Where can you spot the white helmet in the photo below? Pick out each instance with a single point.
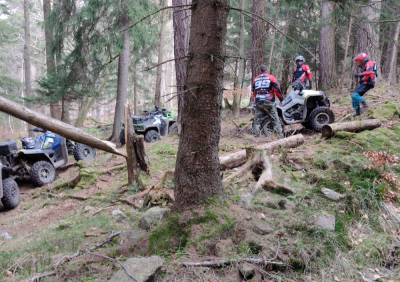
(300, 58)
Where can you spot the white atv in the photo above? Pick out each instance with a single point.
(308, 107)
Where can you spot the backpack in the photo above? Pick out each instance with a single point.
(375, 70)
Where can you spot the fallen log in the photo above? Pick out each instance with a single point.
(329, 130)
(66, 130)
(239, 158)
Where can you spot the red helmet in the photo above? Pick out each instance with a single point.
(360, 58)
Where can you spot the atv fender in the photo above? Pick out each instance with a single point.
(48, 155)
(1, 181)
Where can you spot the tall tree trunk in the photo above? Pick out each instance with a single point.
(327, 56)
(181, 23)
(122, 85)
(258, 38)
(197, 173)
(160, 55)
(346, 49)
(392, 62)
(287, 58)
(55, 110)
(271, 51)
(239, 81)
(135, 93)
(368, 32)
(27, 59)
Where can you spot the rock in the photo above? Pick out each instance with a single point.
(116, 212)
(152, 217)
(246, 200)
(143, 269)
(271, 205)
(326, 221)
(6, 236)
(285, 204)
(88, 208)
(247, 271)
(248, 218)
(131, 236)
(262, 229)
(330, 194)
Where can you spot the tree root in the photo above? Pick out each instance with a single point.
(257, 158)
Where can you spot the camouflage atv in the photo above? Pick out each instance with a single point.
(153, 125)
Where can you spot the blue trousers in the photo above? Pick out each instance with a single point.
(356, 97)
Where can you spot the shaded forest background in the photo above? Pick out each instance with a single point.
(67, 58)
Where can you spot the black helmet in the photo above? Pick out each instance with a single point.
(28, 143)
(300, 58)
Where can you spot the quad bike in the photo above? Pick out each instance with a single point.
(40, 157)
(308, 107)
(152, 125)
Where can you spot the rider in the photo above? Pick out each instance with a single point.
(265, 87)
(367, 82)
(302, 72)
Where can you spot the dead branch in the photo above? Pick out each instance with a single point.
(167, 61)
(255, 16)
(113, 168)
(129, 202)
(117, 261)
(217, 263)
(167, 176)
(330, 130)
(81, 252)
(37, 277)
(155, 12)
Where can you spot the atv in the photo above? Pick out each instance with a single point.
(40, 157)
(152, 125)
(308, 107)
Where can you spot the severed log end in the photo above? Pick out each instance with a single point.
(326, 130)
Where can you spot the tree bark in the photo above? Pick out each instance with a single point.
(141, 156)
(130, 135)
(27, 60)
(66, 130)
(239, 82)
(391, 76)
(197, 173)
(287, 59)
(346, 48)
(135, 92)
(258, 37)
(55, 110)
(271, 51)
(160, 55)
(123, 75)
(238, 158)
(367, 33)
(330, 130)
(181, 23)
(327, 52)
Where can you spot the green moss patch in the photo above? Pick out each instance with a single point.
(385, 112)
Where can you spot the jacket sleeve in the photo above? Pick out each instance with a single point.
(277, 90)
(308, 73)
(368, 71)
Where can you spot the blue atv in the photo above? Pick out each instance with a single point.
(37, 161)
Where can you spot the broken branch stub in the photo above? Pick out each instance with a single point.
(66, 130)
(131, 160)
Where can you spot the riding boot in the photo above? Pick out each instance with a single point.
(358, 113)
(365, 106)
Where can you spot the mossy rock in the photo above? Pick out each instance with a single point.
(385, 112)
(345, 135)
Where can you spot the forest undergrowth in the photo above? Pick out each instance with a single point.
(363, 245)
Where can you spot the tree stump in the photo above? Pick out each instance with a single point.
(259, 167)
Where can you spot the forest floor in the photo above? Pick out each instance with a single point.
(56, 220)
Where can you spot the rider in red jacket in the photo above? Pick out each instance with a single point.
(367, 82)
(302, 72)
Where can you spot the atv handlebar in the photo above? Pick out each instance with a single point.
(36, 129)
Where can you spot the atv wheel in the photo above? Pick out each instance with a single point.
(267, 129)
(11, 195)
(152, 136)
(84, 152)
(122, 137)
(321, 116)
(42, 173)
